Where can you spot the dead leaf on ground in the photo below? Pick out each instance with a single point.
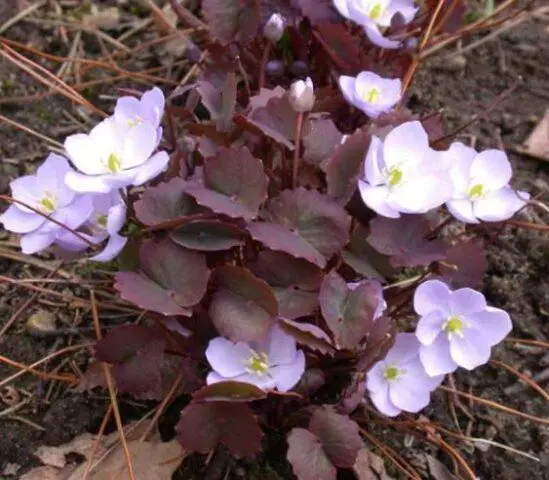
(152, 460)
(103, 19)
(369, 466)
(438, 470)
(537, 144)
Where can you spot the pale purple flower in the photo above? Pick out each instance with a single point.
(148, 109)
(274, 28)
(275, 362)
(399, 382)
(481, 188)
(107, 219)
(371, 93)
(381, 303)
(302, 95)
(403, 174)
(375, 15)
(114, 155)
(46, 192)
(456, 328)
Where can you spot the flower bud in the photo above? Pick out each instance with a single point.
(274, 28)
(302, 95)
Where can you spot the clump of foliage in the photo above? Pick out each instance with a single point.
(260, 217)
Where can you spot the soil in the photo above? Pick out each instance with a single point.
(517, 279)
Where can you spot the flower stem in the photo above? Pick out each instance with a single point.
(295, 163)
(264, 59)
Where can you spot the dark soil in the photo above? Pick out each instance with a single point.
(517, 279)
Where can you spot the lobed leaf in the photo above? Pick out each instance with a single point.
(349, 313)
(340, 45)
(233, 183)
(308, 458)
(308, 335)
(464, 266)
(172, 279)
(163, 202)
(338, 434)
(229, 392)
(208, 235)
(343, 168)
(202, 426)
(321, 140)
(405, 240)
(243, 307)
(319, 11)
(305, 224)
(363, 258)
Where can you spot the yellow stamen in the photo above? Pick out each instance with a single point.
(454, 325)
(376, 11)
(113, 163)
(258, 364)
(48, 204)
(476, 191)
(372, 95)
(394, 177)
(102, 221)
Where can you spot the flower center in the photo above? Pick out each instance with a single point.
(113, 163)
(375, 11)
(476, 191)
(133, 122)
(48, 204)
(371, 95)
(454, 326)
(394, 176)
(101, 221)
(258, 364)
(392, 373)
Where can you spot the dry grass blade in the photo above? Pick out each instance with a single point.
(25, 305)
(393, 456)
(496, 405)
(26, 129)
(526, 341)
(112, 392)
(523, 377)
(31, 368)
(21, 15)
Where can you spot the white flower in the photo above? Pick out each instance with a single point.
(274, 28)
(456, 327)
(481, 188)
(399, 382)
(302, 95)
(376, 14)
(371, 93)
(114, 155)
(403, 174)
(276, 362)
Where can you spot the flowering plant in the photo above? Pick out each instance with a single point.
(262, 235)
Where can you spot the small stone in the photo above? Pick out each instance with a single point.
(41, 323)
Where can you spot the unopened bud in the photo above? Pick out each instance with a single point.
(302, 95)
(274, 28)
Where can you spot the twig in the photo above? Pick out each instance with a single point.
(22, 14)
(31, 368)
(20, 126)
(497, 406)
(89, 464)
(112, 392)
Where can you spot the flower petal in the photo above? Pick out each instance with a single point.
(347, 86)
(139, 143)
(376, 199)
(492, 169)
(16, 220)
(287, 375)
(406, 8)
(280, 348)
(406, 144)
(432, 295)
(84, 154)
(116, 218)
(436, 357)
(264, 382)
(152, 105)
(151, 168)
(466, 300)
(114, 246)
(375, 378)
(471, 350)
(462, 209)
(373, 163)
(498, 205)
(228, 358)
(493, 325)
(376, 37)
(429, 326)
(405, 348)
(36, 241)
(408, 400)
(421, 192)
(383, 403)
